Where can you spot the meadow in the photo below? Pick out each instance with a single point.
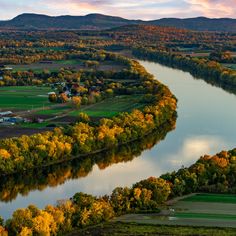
(23, 97)
(200, 210)
(230, 66)
(112, 106)
(55, 66)
(134, 229)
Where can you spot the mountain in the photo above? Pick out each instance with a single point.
(91, 21)
(98, 21)
(199, 23)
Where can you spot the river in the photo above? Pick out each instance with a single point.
(205, 125)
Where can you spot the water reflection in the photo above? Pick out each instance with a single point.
(205, 124)
(193, 147)
(11, 186)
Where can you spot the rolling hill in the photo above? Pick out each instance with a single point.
(97, 22)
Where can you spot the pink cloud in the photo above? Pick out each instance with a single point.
(214, 8)
(133, 9)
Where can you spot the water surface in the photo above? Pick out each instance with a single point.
(205, 125)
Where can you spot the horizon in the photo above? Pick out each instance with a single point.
(96, 13)
(143, 10)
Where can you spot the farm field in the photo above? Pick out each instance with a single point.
(196, 54)
(57, 65)
(112, 106)
(134, 229)
(23, 98)
(208, 210)
(220, 198)
(230, 66)
(60, 109)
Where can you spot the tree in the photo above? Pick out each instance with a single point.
(76, 102)
(83, 117)
(52, 97)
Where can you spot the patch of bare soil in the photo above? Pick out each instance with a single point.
(10, 132)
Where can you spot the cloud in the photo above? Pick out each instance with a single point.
(143, 9)
(214, 8)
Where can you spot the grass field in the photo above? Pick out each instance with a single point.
(224, 198)
(205, 216)
(111, 107)
(40, 67)
(230, 66)
(54, 111)
(24, 97)
(69, 62)
(34, 125)
(57, 65)
(50, 48)
(134, 229)
(208, 210)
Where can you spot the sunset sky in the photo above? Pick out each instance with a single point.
(132, 9)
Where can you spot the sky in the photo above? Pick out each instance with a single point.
(131, 9)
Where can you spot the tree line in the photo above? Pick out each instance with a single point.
(211, 71)
(38, 179)
(209, 174)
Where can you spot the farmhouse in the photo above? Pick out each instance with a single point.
(51, 93)
(4, 67)
(5, 113)
(11, 120)
(46, 62)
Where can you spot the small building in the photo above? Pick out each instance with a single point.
(7, 68)
(4, 67)
(6, 113)
(12, 120)
(46, 62)
(51, 93)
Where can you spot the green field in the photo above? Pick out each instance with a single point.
(54, 111)
(208, 210)
(68, 62)
(23, 97)
(205, 216)
(135, 229)
(56, 65)
(40, 67)
(34, 125)
(50, 48)
(224, 198)
(33, 68)
(230, 66)
(111, 107)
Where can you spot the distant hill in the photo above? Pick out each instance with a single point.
(199, 23)
(91, 21)
(98, 22)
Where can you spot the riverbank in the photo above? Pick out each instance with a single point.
(84, 138)
(208, 70)
(83, 210)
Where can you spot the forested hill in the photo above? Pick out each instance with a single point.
(98, 21)
(89, 22)
(199, 23)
